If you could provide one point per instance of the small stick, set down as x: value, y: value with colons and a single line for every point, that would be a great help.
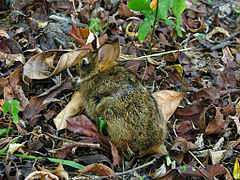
x: 74, y: 142
x: 157, y: 54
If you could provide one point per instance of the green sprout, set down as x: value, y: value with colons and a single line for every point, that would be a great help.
x: 101, y: 124
x: 95, y: 27
x: 11, y: 106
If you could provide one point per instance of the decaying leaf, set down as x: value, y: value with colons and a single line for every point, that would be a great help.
x: 60, y: 172
x: 216, y: 156
x: 74, y: 107
x: 209, y: 172
x: 98, y: 168
x: 215, y: 31
x: 82, y: 125
x: 11, y: 58
x: 36, y: 67
x: 13, y: 89
x: 41, y: 175
x: 182, y: 145
x: 36, y: 103
x: 167, y: 101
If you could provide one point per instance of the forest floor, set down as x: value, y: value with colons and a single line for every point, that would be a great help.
x: 39, y: 43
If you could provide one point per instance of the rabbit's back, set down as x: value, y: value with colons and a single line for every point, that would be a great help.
x: 130, y: 111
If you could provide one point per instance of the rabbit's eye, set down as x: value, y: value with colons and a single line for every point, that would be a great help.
x: 84, y: 63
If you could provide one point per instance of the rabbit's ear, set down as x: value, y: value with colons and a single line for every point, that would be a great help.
x: 105, y: 54
x: 116, y: 50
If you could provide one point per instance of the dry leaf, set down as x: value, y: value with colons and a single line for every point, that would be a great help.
x: 167, y: 101
x: 182, y: 145
x: 11, y: 58
x: 36, y: 67
x: 215, y: 31
x: 13, y: 90
x: 36, y: 103
x: 153, y: 4
x: 82, y: 125
x: 216, y: 156
x: 98, y: 168
x: 236, y: 170
x: 41, y: 175
x: 74, y: 107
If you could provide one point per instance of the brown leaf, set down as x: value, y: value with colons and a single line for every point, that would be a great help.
x: 41, y: 175
x: 74, y: 107
x: 206, y: 93
x: 216, y: 123
x: 81, y: 36
x: 209, y: 172
x: 182, y: 145
x: 82, y: 125
x: 36, y: 102
x: 124, y: 11
x: 191, y: 112
x: 98, y: 168
x: 95, y: 159
x: 10, y: 46
x: 167, y: 101
x: 36, y: 67
x: 9, y: 59
x: 61, y: 172
x: 13, y: 90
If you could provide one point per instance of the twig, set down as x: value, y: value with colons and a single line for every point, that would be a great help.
x: 74, y: 142
x: 157, y: 54
x: 129, y: 171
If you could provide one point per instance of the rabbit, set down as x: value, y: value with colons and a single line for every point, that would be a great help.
x: 112, y: 92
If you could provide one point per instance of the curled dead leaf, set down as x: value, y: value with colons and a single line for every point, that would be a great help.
x: 182, y: 145
x: 167, y: 101
x: 41, y: 175
x: 215, y: 31
x: 36, y: 67
x: 98, y: 168
x: 74, y: 107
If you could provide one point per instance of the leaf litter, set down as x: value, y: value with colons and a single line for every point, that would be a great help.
x: 197, y: 89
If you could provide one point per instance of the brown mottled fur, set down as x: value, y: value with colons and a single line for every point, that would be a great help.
x: 113, y: 93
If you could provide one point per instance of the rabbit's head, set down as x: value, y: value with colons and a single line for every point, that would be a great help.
x: 99, y: 61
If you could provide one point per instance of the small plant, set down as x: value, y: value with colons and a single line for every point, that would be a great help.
x: 237, y: 11
x: 95, y: 27
x: 159, y: 9
x: 12, y: 107
x: 101, y: 124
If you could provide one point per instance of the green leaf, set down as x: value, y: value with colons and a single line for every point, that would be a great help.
x: 14, y: 110
x: 4, y: 131
x: 148, y: 15
x: 179, y: 31
x: 101, y: 124
x: 237, y: 11
x: 164, y: 6
x: 14, y: 103
x: 138, y: 5
x: 178, y: 7
x: 67, y: 162
x: 169, y: 22
x: 144, y: 29
x: 97, y: 20
x: 184, y: 168
x: 6, y: 107
x: 15, y: 118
